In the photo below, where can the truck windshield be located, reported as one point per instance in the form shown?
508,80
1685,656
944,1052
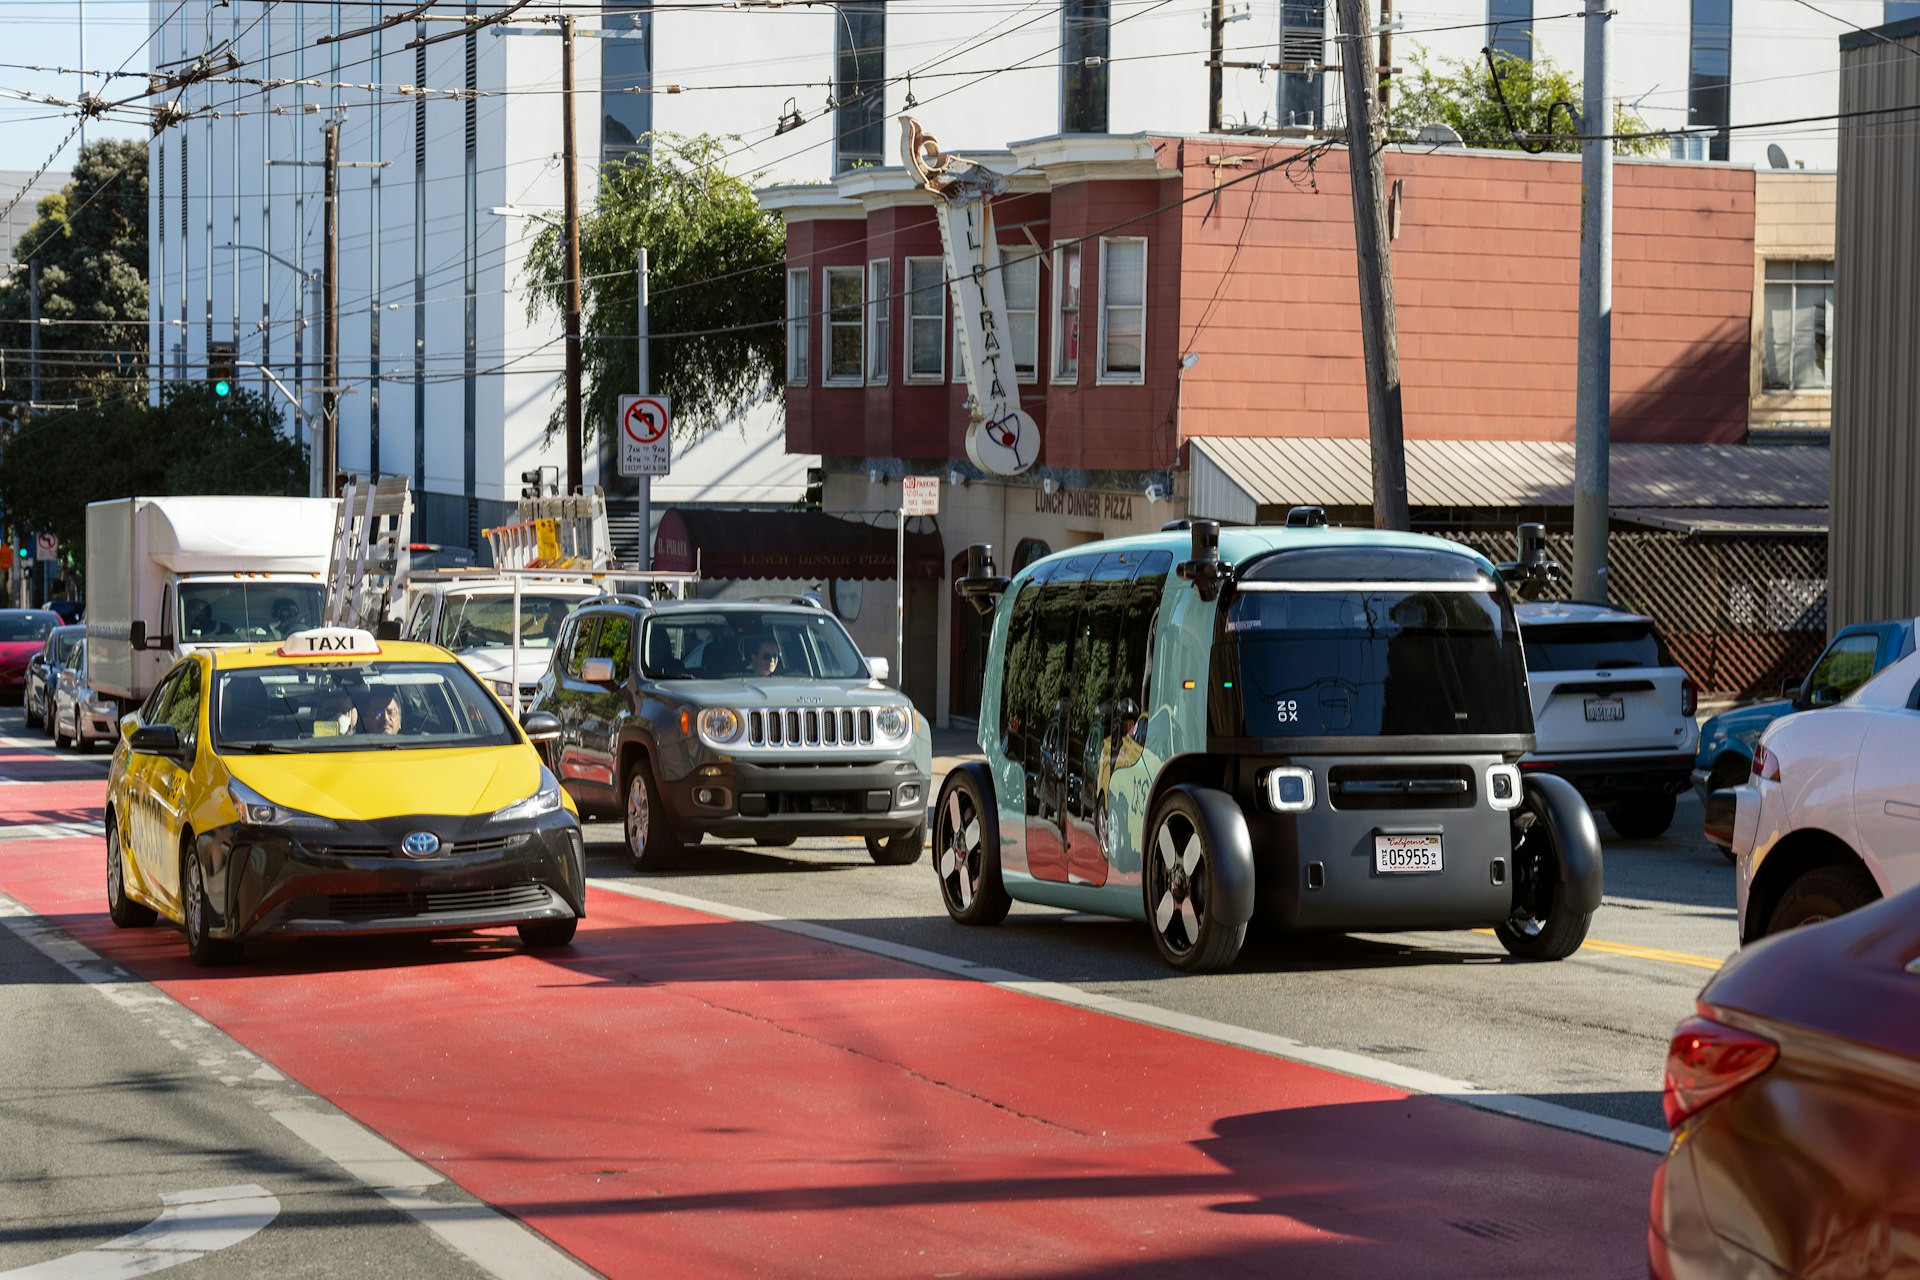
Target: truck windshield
767,644
1385,659
486,622
361,706
247,612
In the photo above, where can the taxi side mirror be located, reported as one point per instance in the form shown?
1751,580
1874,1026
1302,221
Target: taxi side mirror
543,726
155,740
128,723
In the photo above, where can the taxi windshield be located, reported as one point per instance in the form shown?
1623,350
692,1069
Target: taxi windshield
486,621
247,612
358,706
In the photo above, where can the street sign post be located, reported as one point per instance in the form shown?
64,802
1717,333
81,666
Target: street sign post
919,496
46,546
646,436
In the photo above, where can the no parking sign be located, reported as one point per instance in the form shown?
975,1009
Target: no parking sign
646,438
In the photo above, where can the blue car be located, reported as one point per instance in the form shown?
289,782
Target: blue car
1726,741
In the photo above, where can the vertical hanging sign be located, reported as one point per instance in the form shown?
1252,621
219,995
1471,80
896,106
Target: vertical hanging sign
1002,438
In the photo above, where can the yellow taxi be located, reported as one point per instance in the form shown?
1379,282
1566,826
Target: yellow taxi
332,783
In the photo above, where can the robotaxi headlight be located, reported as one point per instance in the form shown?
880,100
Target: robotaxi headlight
1503,786
721,726
1290,789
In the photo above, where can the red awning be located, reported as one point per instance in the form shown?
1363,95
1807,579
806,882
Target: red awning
731,545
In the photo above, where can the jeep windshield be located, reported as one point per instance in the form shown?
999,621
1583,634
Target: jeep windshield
740,644
1424,645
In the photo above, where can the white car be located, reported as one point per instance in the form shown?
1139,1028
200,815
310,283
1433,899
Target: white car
1829,819
474,618
1612,711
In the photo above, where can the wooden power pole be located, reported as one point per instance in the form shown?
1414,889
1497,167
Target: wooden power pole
569,166
330,322
1216,75
1379,330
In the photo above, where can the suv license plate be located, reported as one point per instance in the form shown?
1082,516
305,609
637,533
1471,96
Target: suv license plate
1606,709
1406,853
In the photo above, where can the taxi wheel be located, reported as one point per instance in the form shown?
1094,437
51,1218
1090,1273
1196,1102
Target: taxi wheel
966,842
538,935
652,843
1179,889
901,849
124,911
202,949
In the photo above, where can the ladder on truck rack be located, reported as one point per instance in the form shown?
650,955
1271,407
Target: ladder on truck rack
367,577
555,533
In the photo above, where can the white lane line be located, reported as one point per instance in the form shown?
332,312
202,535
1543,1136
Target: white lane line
499,1245
1412,1079
52,831
194,1224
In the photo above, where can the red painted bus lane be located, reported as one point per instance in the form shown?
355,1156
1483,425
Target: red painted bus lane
731,1099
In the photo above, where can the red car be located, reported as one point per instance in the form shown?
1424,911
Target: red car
22,633
1794,1100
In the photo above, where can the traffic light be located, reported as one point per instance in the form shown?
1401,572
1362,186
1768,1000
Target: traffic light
24,551
220,368
530,483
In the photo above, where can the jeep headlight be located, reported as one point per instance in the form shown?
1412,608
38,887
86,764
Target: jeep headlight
256,810
543,801
721,726
892,723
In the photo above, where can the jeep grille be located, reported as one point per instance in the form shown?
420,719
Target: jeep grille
801,727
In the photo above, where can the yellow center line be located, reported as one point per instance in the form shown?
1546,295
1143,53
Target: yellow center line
1643,953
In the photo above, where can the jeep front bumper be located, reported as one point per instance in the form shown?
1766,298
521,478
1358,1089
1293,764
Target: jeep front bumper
733,798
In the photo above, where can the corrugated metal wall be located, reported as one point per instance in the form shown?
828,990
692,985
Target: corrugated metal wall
1875,549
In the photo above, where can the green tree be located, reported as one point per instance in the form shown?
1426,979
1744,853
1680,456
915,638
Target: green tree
52,466
714,266
88,248
1460,93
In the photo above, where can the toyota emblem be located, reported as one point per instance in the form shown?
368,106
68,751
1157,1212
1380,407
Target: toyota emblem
420,844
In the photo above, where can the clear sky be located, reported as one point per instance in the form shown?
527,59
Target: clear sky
47,33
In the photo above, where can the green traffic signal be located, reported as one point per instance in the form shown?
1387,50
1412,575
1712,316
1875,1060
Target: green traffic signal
222,387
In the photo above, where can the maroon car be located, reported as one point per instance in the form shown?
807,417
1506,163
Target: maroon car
22,632
1794,1100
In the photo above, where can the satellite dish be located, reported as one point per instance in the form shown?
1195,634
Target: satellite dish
1775,156
1438,135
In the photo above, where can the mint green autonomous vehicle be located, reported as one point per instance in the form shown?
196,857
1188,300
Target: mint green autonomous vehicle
1317,729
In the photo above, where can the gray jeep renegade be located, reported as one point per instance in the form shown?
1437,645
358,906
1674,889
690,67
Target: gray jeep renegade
744,720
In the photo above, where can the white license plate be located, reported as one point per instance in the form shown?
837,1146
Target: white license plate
1606,709
1406,853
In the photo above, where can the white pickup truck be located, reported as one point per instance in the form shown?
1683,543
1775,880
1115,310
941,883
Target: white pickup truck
473,615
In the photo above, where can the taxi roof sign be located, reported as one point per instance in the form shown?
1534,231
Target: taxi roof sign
329,642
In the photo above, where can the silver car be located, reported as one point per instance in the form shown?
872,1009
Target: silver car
43,672
80,716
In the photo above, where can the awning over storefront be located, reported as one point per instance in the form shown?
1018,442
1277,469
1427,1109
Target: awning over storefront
732,545
1236,477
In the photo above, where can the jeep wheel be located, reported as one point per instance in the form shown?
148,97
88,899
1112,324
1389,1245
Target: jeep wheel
966,853
1643,817
902,849
652,843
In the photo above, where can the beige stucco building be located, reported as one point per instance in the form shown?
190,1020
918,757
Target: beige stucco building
1791,387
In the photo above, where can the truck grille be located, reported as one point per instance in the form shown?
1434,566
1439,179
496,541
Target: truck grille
801,727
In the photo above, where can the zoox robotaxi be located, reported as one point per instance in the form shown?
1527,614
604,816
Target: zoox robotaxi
336,784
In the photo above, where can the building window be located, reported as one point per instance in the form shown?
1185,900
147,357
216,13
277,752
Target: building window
1709,67
1303,44
799,325
625,64
860,83
1083,66
1066,313
879,318
1020,272
1510,27
845,353
1797,341
926,319
1123,309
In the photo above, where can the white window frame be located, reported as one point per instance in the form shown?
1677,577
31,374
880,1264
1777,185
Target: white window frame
799,327
1792,281
828,378
910,292
879,320
1106,376
1007,258
1056,359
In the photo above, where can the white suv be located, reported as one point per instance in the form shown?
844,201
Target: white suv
1612,711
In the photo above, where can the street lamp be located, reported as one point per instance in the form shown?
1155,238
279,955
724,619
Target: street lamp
515,211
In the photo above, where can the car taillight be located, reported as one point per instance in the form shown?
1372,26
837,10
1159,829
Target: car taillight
1689,697
1766,765
1708,1060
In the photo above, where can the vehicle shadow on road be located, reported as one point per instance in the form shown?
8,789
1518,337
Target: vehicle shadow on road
713,859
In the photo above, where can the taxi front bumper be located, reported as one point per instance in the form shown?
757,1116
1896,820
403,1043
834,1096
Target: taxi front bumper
355,878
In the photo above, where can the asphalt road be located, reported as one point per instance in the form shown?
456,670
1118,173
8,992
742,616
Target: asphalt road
1589,1033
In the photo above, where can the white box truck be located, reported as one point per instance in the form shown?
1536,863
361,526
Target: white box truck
166,576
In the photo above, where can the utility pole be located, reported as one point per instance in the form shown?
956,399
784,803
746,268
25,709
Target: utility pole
1378,326
1216,73
330,323
643,384
1593,429
33,335
1386,57
569,165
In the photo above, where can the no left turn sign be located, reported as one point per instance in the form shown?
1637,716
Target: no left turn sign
646,436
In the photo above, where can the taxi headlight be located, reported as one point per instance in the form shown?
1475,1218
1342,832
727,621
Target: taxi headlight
721,726
541,802
259,811
892,723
